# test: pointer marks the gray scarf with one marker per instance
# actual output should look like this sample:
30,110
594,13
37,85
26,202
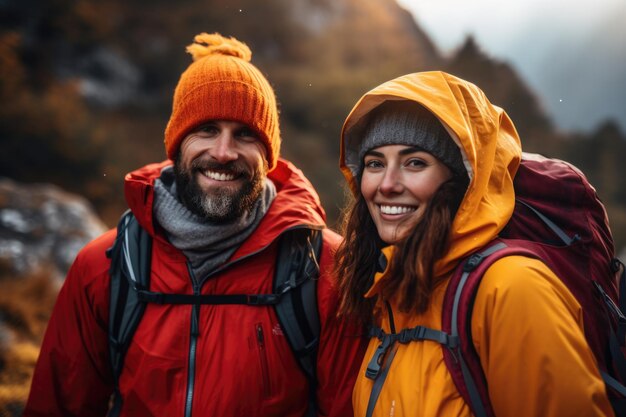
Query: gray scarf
206,244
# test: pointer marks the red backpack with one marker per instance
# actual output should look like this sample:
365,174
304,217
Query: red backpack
560,220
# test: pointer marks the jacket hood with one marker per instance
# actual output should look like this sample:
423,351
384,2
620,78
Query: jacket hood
296,203
489,144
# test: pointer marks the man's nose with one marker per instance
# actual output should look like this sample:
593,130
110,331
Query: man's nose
223,149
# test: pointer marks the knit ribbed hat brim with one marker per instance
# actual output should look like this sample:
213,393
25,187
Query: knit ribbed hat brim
405,123
221,84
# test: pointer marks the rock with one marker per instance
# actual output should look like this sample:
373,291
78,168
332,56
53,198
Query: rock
42,226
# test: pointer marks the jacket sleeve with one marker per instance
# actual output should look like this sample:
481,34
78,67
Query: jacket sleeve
342,344
528,331
72,376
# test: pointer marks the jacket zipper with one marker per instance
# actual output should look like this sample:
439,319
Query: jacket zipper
263,357
195,328
195,331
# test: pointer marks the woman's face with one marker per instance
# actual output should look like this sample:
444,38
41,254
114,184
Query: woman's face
397,184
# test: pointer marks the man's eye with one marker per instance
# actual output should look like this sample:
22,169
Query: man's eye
209,129
247,134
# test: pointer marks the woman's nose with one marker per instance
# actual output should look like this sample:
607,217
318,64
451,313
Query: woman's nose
391,182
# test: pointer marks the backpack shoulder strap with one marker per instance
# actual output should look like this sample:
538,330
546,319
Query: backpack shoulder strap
129,271
297,271
295,279
463,362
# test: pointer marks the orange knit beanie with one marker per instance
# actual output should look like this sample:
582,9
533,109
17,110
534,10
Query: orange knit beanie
221,84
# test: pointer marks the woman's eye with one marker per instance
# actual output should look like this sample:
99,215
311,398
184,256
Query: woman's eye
373,163
415,163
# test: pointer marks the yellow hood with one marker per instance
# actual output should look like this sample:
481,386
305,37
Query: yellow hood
489,144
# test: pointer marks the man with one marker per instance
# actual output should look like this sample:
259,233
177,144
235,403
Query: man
215,217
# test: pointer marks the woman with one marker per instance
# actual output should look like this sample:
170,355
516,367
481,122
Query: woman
431,163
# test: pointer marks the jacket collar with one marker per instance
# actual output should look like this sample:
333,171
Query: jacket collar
297,204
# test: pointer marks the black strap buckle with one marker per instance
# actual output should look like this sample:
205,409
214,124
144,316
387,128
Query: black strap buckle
373,367
408,335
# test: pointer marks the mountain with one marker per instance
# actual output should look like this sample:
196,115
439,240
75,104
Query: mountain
88,85
86,89
504,88
598,154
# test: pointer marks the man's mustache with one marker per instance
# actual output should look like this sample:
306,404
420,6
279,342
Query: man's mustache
235,168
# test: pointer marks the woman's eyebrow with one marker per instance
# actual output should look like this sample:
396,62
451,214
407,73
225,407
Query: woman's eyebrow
410,150
374,153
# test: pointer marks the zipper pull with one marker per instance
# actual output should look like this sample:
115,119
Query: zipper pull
259,335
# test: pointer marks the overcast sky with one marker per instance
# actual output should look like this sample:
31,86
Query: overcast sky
572,53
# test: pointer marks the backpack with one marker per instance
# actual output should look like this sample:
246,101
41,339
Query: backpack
294,296
559,219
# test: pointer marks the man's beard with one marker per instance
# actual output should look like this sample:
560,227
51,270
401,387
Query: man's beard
221,204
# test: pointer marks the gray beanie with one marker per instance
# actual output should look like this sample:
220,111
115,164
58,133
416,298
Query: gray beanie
408,123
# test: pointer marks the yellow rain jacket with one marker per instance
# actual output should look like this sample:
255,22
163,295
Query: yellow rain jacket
526,325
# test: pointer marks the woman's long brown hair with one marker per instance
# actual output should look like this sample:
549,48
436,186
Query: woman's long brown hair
411,281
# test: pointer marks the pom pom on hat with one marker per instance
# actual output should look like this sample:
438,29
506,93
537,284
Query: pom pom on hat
207,44
222,84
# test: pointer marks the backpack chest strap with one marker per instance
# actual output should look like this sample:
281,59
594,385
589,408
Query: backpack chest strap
415,334
380,363
208,299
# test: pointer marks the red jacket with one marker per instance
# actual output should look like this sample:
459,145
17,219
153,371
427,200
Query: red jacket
243,363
